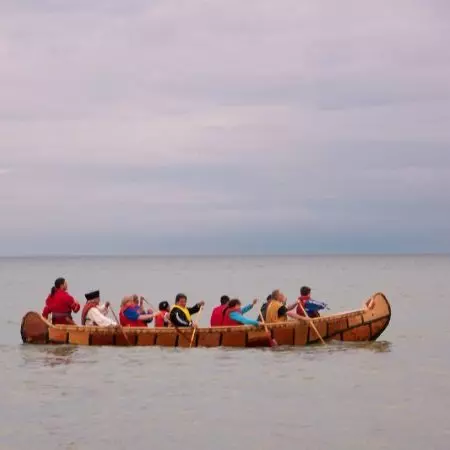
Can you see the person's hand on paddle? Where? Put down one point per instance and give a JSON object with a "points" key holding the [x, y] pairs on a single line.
{"points": [[107, 304], [201, 303], [254, 302]]}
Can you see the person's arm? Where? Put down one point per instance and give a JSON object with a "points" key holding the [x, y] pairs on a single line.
{"points": [[294, 315], [291, 307], [46, 311], [97, 317], [246, 308], [103, 308], [195, 309], [73, 304], [238, 317]]}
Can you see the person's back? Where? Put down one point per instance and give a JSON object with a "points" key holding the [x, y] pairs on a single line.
{"points": [[217, 313], [60, 304], [162, 317]]}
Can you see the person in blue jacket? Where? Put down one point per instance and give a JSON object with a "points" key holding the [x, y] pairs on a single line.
{"points": [[234, 314]]}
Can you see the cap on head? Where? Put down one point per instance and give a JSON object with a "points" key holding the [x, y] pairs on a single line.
{"points": [[163, 306], [92, 295], [224, 299]]}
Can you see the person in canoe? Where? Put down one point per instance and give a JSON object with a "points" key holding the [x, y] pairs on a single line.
{"points": [[277, 310], [308, 305], [60, 304], [263, 309], [217, 313], [93, 313], [132, 314], [180, 314], [233, 314], [162, 317]]}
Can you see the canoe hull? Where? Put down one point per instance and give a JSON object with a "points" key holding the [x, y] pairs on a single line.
{"points": [[366, 324]]}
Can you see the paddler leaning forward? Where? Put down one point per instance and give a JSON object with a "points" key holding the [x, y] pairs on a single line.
{"points": [[180, 314]]}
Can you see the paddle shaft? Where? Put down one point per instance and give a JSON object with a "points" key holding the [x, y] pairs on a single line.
{"points": [[272, 342], [195, 329], [311, 322], [118, 323]]}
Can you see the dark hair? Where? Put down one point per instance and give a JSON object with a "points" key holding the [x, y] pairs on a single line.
{"points": [[224, 299], [163, 306], [58, 283], [179, 297], [269, 297], [305, 290], [231, 304]]}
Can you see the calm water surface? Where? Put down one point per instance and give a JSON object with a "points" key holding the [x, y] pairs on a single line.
{"points": [[391, 394]]}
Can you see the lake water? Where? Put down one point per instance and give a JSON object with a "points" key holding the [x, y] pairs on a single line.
{"points": [[391, 394]]}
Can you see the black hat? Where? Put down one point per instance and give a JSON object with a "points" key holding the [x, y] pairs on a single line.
{"points": [[92, 295], [163, 306]]}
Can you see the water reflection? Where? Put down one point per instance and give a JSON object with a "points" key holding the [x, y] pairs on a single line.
{"points": [[50, 356]]}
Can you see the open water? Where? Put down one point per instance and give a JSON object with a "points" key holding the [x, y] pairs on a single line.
{"points": [[391, 394]]}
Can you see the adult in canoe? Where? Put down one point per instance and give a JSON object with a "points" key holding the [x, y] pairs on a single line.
{"points": [[217, 313], [94, 313], [131, 313], [277, 310], [180, 313], [233, 314], [60, 304]]}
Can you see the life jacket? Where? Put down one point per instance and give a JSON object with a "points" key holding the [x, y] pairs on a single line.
{"points": [[126, 322], [302, 299], [227, 320], [159, 320], [86, 308], [61, 305], [272, 312], [183, 310], [217, 316]]}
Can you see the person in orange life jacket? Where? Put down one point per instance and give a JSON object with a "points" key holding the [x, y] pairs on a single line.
{"points": [[311, 307], [162, 317], [180, 314], [60, 304], [277, 310], [217, 313], [233, 314], [131, 313], [95, 314]]}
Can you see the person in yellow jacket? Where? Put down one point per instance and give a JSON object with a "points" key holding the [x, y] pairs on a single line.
{"points": [[277, 310], [180, 314]]}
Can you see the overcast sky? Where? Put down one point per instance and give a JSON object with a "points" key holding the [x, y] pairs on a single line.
{"points": [[224, 126]]}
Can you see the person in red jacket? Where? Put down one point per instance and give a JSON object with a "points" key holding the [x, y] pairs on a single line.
{"points": [[131, 313], [162, 317], [233, 314], [60, 304], [217, 313]]}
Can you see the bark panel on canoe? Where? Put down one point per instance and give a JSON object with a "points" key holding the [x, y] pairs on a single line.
{"points": [[365, 324]]}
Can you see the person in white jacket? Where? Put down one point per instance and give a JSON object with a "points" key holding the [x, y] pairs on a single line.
{"points": [[94, 313]]}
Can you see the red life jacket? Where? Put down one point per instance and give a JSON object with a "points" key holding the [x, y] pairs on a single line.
{"points": [[217, 316], [86, 309], [302, 299], [126, 322], [60, 306], [227, 320], [159, 320]]}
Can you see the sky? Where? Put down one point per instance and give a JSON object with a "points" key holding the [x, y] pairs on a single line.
{"points": [[218, 127]]}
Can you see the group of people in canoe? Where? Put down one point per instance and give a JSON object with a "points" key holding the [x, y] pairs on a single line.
{"points": [[60, 305]]}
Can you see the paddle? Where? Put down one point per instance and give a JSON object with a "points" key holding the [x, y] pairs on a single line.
{"points": [[310, 322], [195, 329], [272, 342], [120, 326]]}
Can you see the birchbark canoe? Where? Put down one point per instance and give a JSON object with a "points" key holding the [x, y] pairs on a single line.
{"points": [[365, 324]]}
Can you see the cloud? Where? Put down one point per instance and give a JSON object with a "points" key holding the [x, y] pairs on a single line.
{"points": [[174, 121]]}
